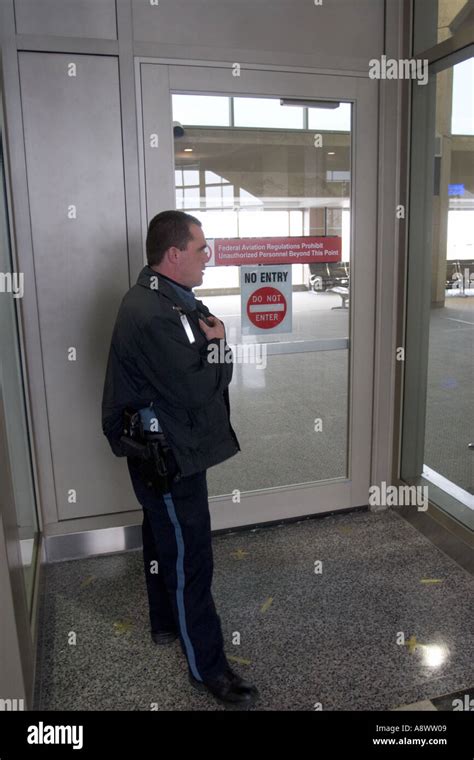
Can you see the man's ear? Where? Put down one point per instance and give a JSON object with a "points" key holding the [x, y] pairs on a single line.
{"points": [[172, 254]]}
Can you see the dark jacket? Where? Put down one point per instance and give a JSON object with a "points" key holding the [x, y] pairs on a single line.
{"points": [[151, 359]]}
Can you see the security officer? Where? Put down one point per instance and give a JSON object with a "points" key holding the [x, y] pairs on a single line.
{"points": [[158, 365]]}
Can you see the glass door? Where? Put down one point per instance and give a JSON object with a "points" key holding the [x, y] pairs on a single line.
{"points": [[274, 180], [438, 423], [259, 178]]}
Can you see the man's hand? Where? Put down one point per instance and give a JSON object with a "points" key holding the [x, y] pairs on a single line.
{"points": [[215, 330]]}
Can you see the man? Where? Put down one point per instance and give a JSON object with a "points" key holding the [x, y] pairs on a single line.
{"points": [[158, 365]]}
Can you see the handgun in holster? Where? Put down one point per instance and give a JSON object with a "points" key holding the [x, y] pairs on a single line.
{"points": [[150, 448]]}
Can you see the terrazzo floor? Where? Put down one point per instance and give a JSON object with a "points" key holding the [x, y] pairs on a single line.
{"points": [[309, 640]]}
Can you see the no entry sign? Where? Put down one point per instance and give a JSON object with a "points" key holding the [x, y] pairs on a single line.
{"points": [[265, 306]]}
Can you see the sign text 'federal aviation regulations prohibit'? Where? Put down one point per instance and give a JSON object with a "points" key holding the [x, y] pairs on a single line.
{"points": [[273, 250]]}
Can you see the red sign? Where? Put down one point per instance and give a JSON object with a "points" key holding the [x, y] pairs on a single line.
{"points": [[266, 307], [274, 250]]}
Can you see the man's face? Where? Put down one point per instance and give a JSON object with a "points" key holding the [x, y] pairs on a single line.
{"points": [[192, 260]]}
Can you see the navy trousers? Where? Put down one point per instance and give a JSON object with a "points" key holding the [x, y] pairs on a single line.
{"points": [[176, 533]]}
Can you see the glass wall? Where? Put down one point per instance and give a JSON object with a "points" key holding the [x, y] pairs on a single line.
{"points": [[438, 433], [11, 378]]}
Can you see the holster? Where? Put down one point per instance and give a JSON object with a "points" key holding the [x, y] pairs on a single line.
{"points": [[152, 452], [155, 469]]}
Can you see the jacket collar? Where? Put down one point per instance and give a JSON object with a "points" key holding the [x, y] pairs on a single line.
{"points": [[165, 288]]}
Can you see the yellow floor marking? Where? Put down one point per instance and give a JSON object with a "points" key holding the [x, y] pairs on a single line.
{"points": [[266, 604]]}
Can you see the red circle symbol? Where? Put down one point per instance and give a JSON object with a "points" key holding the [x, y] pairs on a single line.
{"points": [[266, 308]]}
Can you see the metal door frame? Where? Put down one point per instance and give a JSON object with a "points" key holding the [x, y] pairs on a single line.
{"points": [[156, 79]]}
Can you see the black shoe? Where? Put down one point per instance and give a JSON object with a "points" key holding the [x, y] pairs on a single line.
{"points": [[229, 689], [164, 637]]}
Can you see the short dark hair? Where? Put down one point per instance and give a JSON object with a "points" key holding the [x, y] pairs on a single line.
{"points": [[168, 229]]}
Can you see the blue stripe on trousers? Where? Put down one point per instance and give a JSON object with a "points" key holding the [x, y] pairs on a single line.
{"points": [[180, 577]]}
